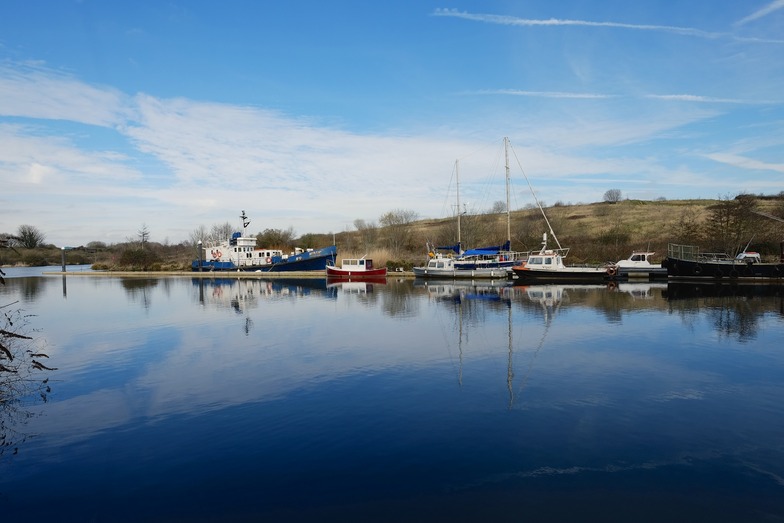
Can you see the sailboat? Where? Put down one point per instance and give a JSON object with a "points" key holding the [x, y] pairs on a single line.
{"points": [[485, 262], [547, 265]]}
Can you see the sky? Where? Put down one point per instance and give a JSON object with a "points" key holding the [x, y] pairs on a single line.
{"points": [[118, 116]]}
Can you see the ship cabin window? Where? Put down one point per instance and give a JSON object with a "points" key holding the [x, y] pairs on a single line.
{"points": [[548, 261], [535, 261], [361, 262], [638, 257]]}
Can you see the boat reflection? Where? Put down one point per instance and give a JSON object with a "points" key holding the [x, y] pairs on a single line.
{"points": [[241, 294], [734, 310], [358, 286], [682, 290], [462, 290]]}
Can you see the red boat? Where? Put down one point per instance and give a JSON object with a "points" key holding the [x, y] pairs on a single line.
{"points": [[356, 269]]}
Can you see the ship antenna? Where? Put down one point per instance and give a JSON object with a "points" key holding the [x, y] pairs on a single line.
{"points": [[245, 222]]}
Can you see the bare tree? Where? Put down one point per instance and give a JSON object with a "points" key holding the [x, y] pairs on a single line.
{"points": [[729, 224], [498, 207], [29, 237], [199, 234], [396, 227], [144, 234], [220, 232], [612, 196], [20, 361], [687, 230], [368, 232], [273, 238]]}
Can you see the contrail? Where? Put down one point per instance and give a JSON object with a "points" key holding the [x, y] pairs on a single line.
{"points": [[555, 22], [773, 6]]}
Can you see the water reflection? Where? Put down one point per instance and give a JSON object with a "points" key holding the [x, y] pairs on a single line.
{"points": [[243, 294], [734, 310], [408, 400], [24, 376]]}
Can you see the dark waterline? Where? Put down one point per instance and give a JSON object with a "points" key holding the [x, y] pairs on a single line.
{"points": [[208, 400]]}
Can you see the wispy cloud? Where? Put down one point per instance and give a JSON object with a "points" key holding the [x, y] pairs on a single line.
{"points": [[708, 99], [31, 90], [756, 15], [542, 94], [600, 96], [175, 163], [555, 22], [744, 162]]}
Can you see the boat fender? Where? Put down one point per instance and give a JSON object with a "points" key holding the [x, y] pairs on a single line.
{"points": [[612, 271], [697, 269]]}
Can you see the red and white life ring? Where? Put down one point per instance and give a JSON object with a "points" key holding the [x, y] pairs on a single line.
{"points": [[216, 254], [269, 260]]}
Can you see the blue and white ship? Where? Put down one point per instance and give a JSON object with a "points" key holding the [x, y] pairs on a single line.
{"points": [[239, 253]]}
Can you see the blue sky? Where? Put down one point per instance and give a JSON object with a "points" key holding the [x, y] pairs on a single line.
{"points": [[312, 114]]}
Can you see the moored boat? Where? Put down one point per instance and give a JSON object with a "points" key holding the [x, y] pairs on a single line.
{"points": [[355, 268], [239, 253], [548, 266], [494, 262], [687, 262], [638, 265]]}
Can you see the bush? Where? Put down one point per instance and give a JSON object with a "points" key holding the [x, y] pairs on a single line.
{"points": [[139, 259]]}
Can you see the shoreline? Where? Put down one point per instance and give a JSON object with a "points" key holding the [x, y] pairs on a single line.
{"points": [[212, 275]]}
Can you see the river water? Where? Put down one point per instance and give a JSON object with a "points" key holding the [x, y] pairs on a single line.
{"points": [[179, 399]]}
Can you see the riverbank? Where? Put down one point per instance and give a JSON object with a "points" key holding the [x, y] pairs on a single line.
{"points": [[211, 275]]}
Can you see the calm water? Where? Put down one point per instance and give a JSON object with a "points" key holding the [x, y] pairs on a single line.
{"points": [[251, 400]]}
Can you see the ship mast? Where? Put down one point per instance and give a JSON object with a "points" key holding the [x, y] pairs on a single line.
{"points": [[457, 184], [245, 222], [508, 210]]}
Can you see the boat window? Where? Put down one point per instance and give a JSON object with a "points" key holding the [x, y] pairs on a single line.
{"points": [[362, 262], [535, 261], [548, 261], [638, 257]]}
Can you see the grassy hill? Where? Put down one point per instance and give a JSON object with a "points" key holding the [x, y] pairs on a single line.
{"points": [[595, 233], [599, 232]]}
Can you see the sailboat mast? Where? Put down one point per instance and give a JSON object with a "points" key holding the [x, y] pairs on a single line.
{"points": [[508, 210], [457, 184]]}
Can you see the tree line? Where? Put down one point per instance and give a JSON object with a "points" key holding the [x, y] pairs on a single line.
{"points": [[725, 225]]}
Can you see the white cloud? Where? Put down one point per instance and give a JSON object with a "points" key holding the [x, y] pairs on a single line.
{"points": [[32, 91], [744, 162], [545, 94], [554, 22], [175, 164], [762, 12]]}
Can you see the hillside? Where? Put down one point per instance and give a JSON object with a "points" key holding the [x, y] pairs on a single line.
{"points": [[601, 232], [595, 233]]}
